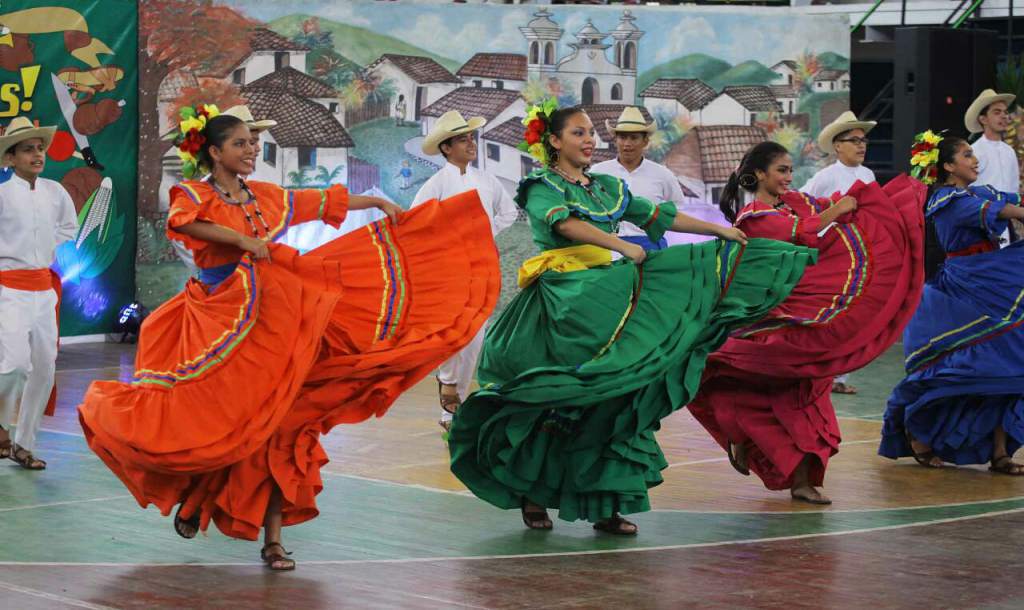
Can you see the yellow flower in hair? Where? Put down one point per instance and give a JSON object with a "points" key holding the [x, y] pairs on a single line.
{"points": [[537, 152], [932, 138], [191, 123]]}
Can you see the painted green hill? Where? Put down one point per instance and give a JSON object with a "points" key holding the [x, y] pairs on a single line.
{"points": [[747, 73], [694, 65], [834, 61], [359, 44]]}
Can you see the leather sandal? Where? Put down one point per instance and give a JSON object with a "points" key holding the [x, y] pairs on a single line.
{"points": [[535, 519], [740, 468], [24, 458], [449, 404], [278, 560], [925, 458], [617, 525], [180, 524], [1006, 465], [6, 447]]}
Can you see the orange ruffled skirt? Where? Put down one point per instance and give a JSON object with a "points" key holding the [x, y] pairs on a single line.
{"points": [[232, 389]]}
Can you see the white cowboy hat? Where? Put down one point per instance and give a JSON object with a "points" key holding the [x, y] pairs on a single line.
{"points": [[631, 120], [843, 123], [21, 129], [986, 99], [449, 125], [242, 111]]}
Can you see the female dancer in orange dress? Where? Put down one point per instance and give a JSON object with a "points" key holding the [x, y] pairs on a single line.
{"points": [[238, 376]]}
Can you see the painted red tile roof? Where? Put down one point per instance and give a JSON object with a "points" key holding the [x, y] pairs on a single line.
{"points": [[692, 93], [300, 121], [509, 133], [264, 39], [171, 86], [722, 148], [826, 75], [599, 113], [473, 101], [785, 91], [420, 69], [510, 66], [294, 81], [757, 98]]}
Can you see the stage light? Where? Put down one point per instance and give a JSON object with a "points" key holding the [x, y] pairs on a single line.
{"points": [[129, 320]]}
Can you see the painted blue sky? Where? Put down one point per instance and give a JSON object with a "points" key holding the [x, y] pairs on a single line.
{"points": [[458, 31]]}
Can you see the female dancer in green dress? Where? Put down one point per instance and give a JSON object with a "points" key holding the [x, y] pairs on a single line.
{"points": [[586, 360]]}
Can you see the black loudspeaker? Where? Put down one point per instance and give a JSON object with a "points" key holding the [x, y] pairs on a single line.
{"points": [[937, 74]]}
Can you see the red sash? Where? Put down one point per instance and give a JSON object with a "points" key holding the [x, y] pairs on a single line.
{"points": [[975, 248], [37, 280]]}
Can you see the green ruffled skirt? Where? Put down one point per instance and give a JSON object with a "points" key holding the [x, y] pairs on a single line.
{"points": [[580, 368]]}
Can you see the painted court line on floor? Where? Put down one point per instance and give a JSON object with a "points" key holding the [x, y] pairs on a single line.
{"points": [[77, 603], [725, 459], [63, 503], [671, 547]]}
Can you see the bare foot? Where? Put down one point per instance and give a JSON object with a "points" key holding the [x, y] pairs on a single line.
{"points": [[806, 493]]}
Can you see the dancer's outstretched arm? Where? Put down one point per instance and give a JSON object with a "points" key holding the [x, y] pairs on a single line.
{"points": [[577, 230], [216, 234], [684, 223]]}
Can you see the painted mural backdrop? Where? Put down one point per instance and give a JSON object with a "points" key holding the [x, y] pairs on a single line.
{"points": [[72, 63], [355, 86]]}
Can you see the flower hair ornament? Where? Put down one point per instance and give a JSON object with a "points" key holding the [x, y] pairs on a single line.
{"points": [[190, 137], [538, 125], [924, 157]]}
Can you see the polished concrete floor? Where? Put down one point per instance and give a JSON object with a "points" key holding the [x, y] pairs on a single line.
{"points": [[397, 530]]}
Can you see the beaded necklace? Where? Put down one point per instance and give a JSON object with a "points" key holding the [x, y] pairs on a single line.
{"points": [[250, 198], [589, 189]]}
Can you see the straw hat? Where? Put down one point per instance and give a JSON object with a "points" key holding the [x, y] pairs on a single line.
{"points": [[242, 111], [21, 129], [449, 125], [631, 120], [844, 122], [987, 98]]}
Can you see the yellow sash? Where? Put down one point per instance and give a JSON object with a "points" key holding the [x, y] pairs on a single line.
{"points": [[573, 258]]}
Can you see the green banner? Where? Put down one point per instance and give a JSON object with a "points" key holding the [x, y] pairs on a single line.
{"points": [[73, 64]]}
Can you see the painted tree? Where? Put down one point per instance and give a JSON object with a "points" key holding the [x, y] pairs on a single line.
{"points": [[807, 67], [221, 93], [190, 35]]}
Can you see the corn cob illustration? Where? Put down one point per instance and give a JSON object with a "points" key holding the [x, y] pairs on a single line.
{"points": [[97, 213]]}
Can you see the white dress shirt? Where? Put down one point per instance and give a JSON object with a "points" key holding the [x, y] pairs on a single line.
{"points": [[997, 165], [33, 222], [450, 181], [649, 180], [836, 178]]}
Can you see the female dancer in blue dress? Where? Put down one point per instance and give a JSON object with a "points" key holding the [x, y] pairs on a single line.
{"points": [[962, 400]]}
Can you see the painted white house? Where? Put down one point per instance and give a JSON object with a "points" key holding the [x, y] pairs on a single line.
{"points": [[788, 97], [785, 72], [307, 136], [673, 98], [738, 105], [495, 70], [832, 80], [495, 105], [586, 71], [499, 154], [303, 85], [268, 51], [420, 81]]}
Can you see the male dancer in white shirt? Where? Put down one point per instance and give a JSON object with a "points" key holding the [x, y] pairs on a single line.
{"points": [[454, 137], [644, 177], [36, 216], [847, 138], [998, 166]]}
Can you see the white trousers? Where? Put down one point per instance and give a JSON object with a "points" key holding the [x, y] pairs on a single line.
{"points": [[28, 359], [461, 368]]}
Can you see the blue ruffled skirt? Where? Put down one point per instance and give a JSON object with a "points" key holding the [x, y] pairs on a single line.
{"points": [[964, 354]]}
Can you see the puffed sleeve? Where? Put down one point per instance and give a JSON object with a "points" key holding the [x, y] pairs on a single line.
{"points": [[762, 220], [329, 205], [184, 209], [980, 209], [545, 205]]}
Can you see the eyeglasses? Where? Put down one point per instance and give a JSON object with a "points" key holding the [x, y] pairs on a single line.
{"points": [[854, 141]]}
